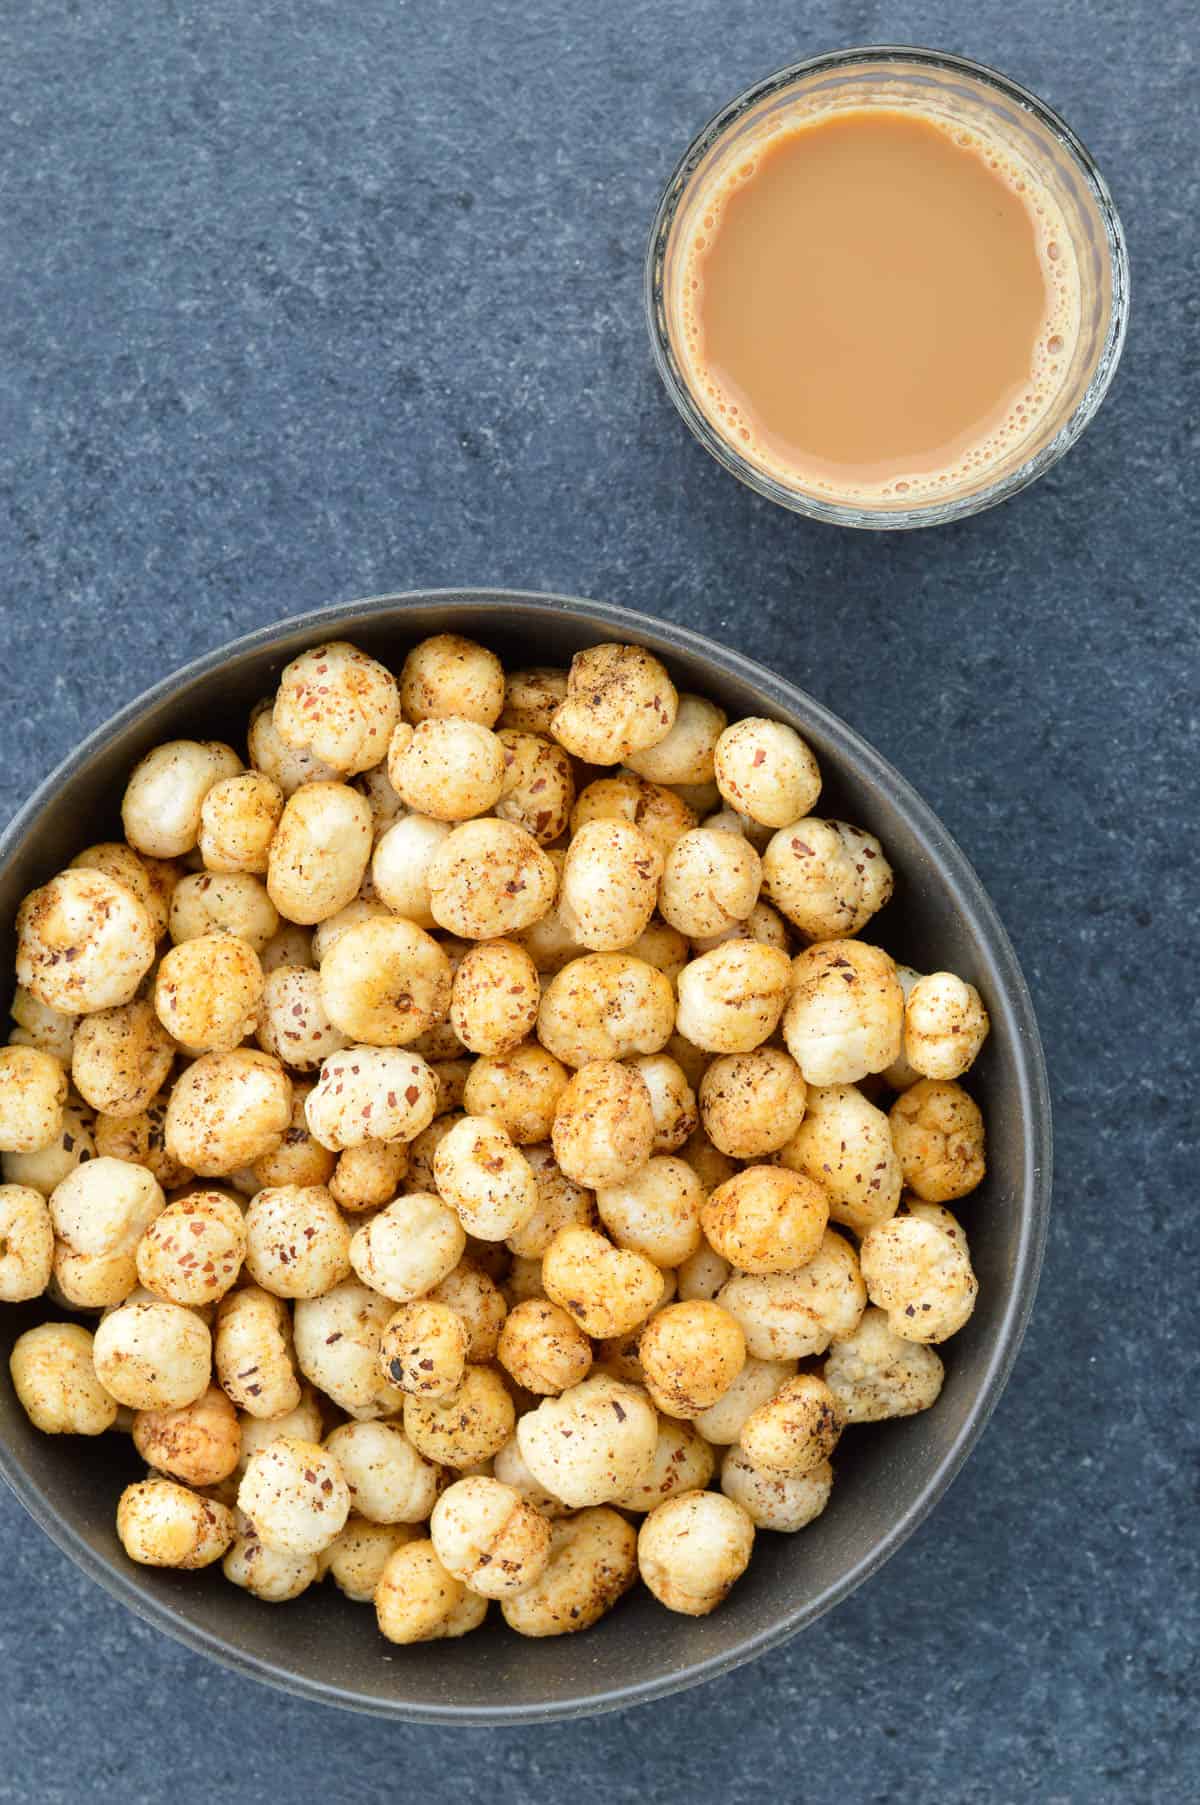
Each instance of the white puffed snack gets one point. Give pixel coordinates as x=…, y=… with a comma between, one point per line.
x=207, y=992
x=693, y=1549
x=485, y=1179
x=163, y=1524
x=297, y=1241
x=945, y=1025
x=531, y=697
x=161, y=807
x=663, y=947
x=752, y=1103
x=604, y=1125
x=367, y=1176
x=227, y=1110
x=827, y=877
x=293, y=1025
x=199, y=1443
x=846, y=1012
x=764, y=769
x=238, y=819
x=84, y=942
x=154, y=1356
x=731, y=999
x=560, y=1202
x=686, y=754
x=295, y=1495
x=33, y=1093
x=917, y=1267
x=355, y=1559
x=270, y=1575
x=619, y=700
x=776, y=1500
x=937, y=1132
x=384, y=982
x=408, y=1247
x=607, y=1289
x=233, y=902
x=26, y=1243
x=121, y=1058
x=287, y=766
x=709, y=880
x=152, y=881
x=55, y=1381
x=609, y=884
x=423, y=1348
x=371, y=1094
x=449, y=768
x=339, y=705
x=489, y=1537
x=605, y=1006
x=790, y=1315
x=509, y=1468
x=766, y=1219
x=104, y=1206
x=37, y=1025
x=495, y=999
x=400, y=866
x=320, y=852
x=756, y=1384
x=450, y=675
x=471, y=1425
x=657, y=812
x=519, y=1089
x=389, y=1481
x=479, y=1303
x=192, y=1252
x=702, y=1275
x=672, y=1100
x=683, y=1462
x=690, y=1354
x=656, y=1212
x=416, y=1600
x=337, y=1349
x=543, y=1347
x=795, y=1430
x=845, y=1145
x=592, y=1564
x=875, y=1374
x=490, y=878
x=539, y=785
x=252, y=1353
x=591, y=1444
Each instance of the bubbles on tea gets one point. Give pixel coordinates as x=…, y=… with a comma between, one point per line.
x=734, y=415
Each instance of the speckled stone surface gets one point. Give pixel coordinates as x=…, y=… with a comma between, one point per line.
x=308, y=302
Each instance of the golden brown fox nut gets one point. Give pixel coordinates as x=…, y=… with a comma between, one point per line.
x=619, y=701
x=937, y=1131
x=339, y=705
x=692, y=1550
x=450, y=675
x=84, y=942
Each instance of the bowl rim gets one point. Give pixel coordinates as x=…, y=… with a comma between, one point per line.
x=1013, y=1002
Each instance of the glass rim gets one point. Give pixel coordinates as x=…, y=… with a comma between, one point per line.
x=931, y=513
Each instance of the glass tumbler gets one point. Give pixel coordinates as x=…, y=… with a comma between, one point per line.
x=966, y=94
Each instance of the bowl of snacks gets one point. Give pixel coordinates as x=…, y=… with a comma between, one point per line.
x=515, y=1122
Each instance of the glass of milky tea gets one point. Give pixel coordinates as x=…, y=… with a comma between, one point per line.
x=887, y=287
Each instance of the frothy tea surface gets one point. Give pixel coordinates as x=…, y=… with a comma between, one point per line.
x=876, y=305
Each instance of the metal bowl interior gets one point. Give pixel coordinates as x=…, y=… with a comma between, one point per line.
x=888, y=1477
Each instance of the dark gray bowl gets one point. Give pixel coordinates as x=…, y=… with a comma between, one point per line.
x=889, y=1477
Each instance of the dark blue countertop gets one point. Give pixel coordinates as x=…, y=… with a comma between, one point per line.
x=305, y=303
